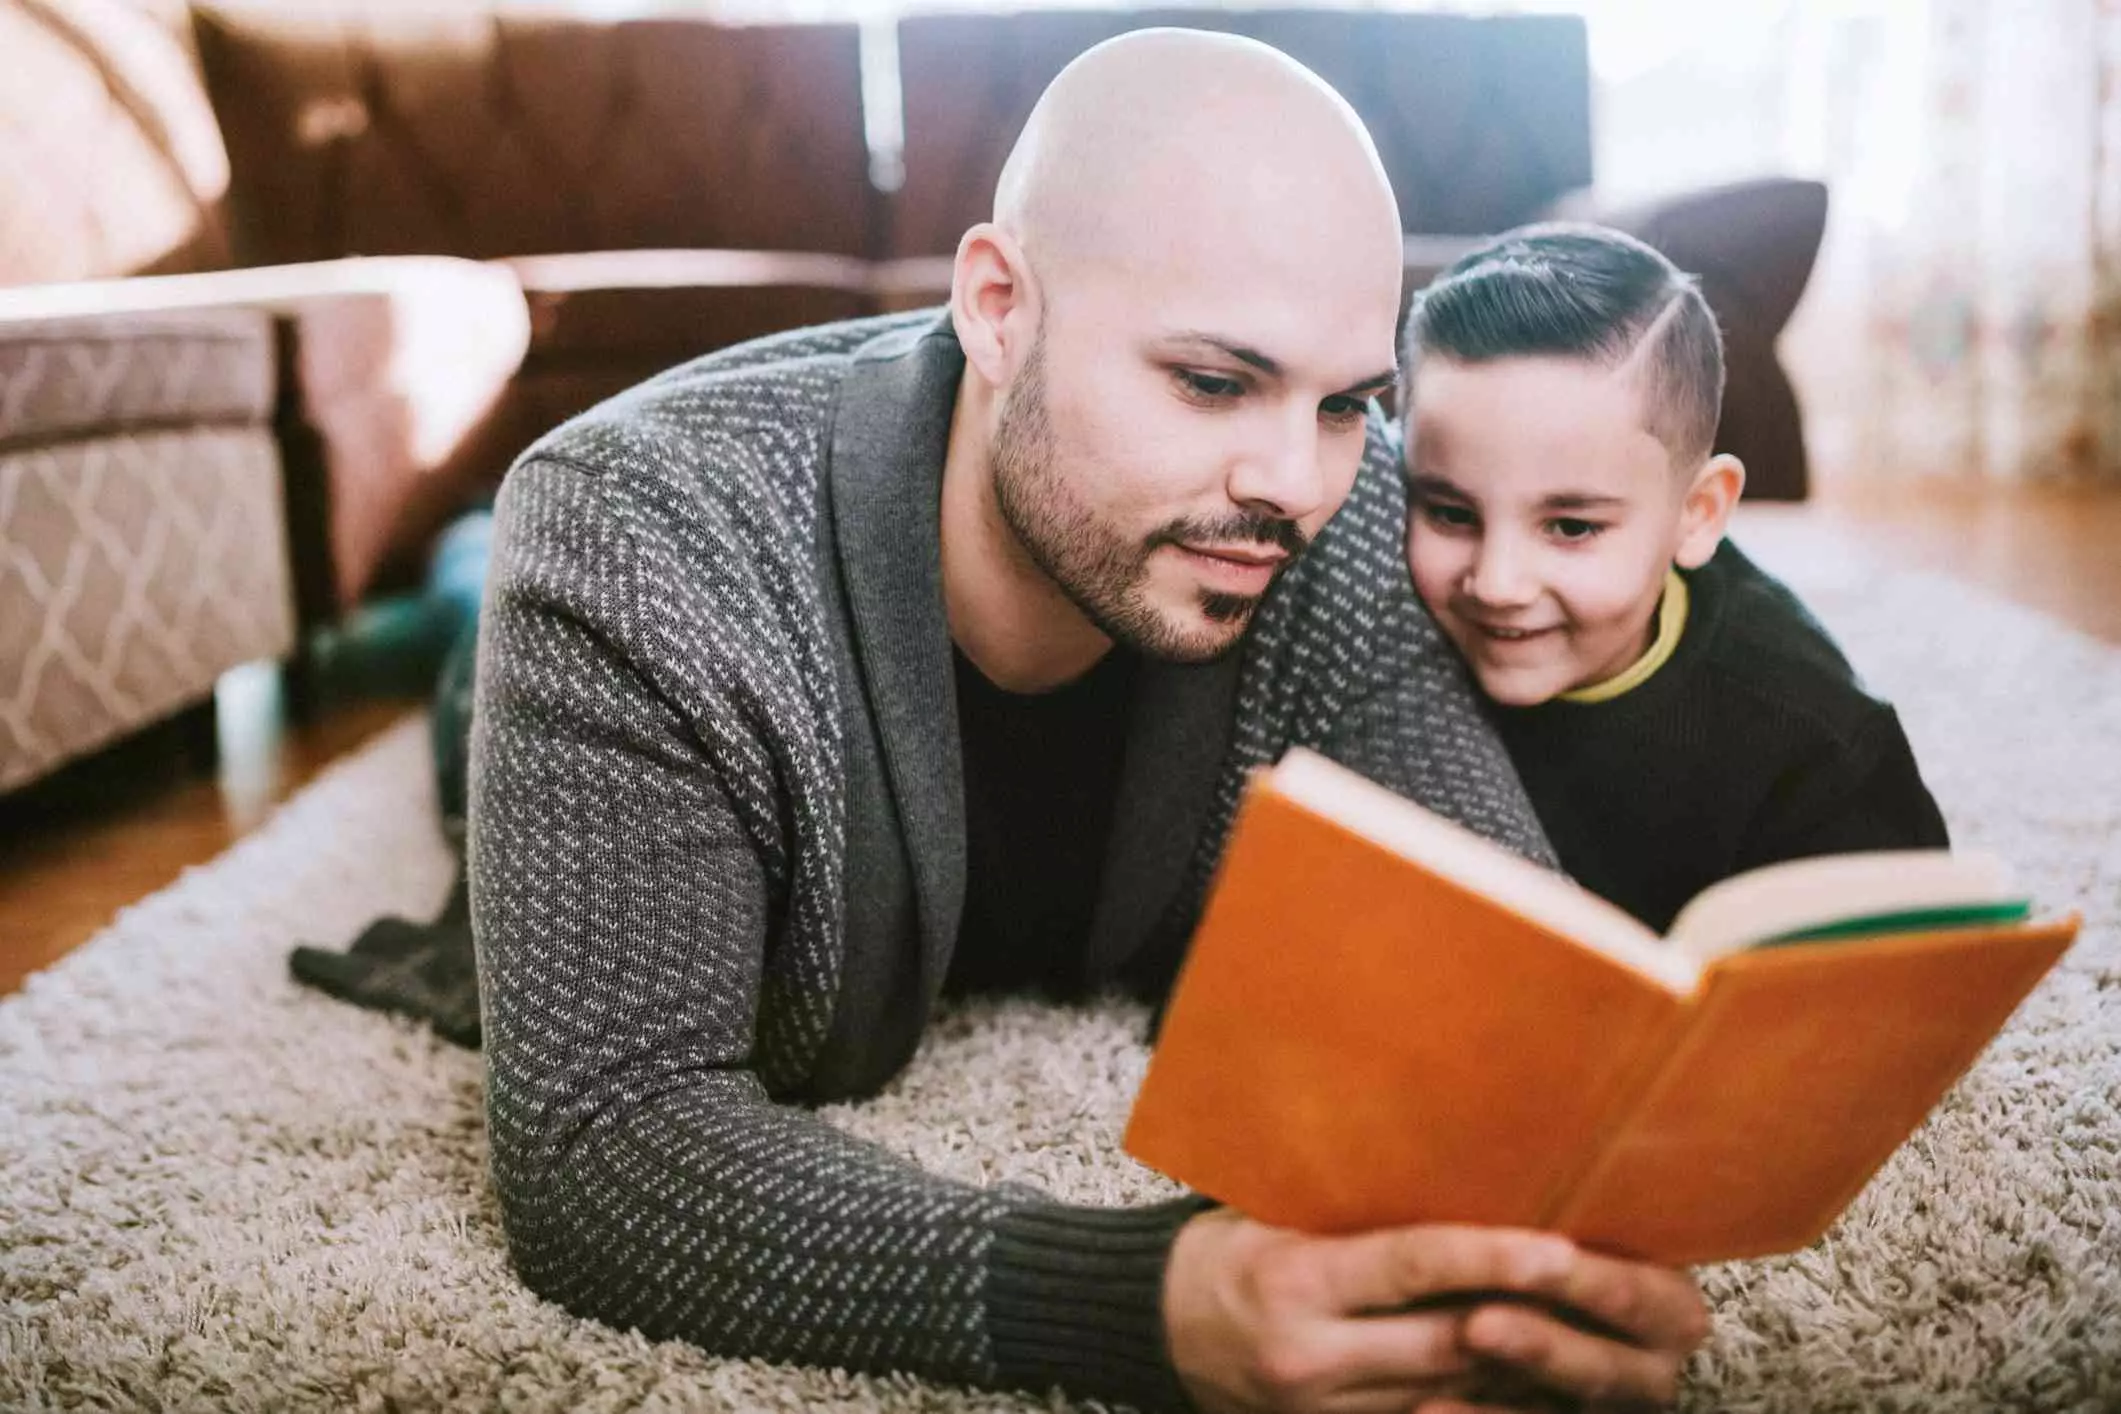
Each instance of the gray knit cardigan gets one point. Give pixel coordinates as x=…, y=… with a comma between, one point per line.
x=716, y=857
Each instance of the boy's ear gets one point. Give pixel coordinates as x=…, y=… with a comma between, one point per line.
x=1707, y=509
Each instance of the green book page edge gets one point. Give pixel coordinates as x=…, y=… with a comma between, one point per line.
x=1913, y=920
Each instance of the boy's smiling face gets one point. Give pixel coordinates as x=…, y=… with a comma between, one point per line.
x=1544, y=517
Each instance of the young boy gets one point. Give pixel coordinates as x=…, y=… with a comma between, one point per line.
x=1676, y=714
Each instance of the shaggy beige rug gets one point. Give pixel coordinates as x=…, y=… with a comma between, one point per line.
x=219, y=1190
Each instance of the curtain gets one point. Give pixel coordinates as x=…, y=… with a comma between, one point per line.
x=1964, y=319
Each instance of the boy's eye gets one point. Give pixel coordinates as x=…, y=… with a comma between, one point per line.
x=1207, y=387
x=1570, y=528
x=1447, y=516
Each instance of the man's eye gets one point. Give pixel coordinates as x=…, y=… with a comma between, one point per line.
x=1569, y=528
x=1343, y=410
x=1207, y=387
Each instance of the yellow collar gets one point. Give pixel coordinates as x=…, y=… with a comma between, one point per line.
x=1671, y=622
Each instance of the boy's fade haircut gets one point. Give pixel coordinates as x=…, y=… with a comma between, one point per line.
x=1573, y=290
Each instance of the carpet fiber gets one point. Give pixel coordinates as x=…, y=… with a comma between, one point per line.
x=220, y=1190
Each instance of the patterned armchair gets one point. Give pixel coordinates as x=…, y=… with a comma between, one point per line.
x=142, y=542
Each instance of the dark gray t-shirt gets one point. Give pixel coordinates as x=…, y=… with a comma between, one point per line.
x=1041, y=771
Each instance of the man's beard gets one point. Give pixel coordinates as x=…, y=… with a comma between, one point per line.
x=1103, y=574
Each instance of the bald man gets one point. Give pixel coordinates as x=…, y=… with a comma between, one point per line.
x=842, y=673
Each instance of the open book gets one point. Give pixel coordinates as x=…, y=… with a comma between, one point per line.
x=1385, y=1018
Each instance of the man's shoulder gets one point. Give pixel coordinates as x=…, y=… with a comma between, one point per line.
x=1346, y=610
x=764, y=405
x=1353, y=580
x=795, y=352
x=1361, y=552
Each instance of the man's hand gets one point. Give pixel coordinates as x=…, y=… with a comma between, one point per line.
x=1259, y=1318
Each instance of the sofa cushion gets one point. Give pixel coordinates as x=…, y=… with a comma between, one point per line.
x=110, y=158
x=370, y=129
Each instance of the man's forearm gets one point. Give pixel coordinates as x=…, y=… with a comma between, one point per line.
x=713, y=1215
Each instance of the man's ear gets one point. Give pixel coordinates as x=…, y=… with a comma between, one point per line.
x=1707, y=509
x=993, y=303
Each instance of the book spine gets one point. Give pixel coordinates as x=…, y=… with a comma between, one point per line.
x=1564, y=1199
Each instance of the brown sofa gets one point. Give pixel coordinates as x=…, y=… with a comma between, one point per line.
x=464, y=224
x=249, y=152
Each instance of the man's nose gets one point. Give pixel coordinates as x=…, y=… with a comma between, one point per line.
x=1286, y=477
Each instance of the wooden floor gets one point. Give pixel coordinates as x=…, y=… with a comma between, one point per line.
x=82, y=847
x=132, y=826
x=2054, y=549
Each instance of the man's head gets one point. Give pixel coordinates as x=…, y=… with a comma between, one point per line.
x=1562, y=388
x=1172, y=328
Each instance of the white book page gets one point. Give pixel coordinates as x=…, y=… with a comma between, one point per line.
x=1804, y=893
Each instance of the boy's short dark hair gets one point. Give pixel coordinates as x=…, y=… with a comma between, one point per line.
x=1581, y=291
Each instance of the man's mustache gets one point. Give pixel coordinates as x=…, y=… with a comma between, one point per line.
x=1237, y=529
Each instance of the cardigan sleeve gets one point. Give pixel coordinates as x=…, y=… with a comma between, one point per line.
x=626, y=891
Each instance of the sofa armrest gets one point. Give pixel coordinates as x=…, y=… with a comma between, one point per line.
x=277, y=289
x=436, y=335
x=1752, y=242
x=391, y=371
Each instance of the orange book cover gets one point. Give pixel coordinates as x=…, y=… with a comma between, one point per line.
x=1358, y=1040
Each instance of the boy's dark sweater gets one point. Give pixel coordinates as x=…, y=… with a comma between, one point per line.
x=1753, y=743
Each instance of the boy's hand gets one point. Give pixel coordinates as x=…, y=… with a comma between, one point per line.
x=1259, y=1318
